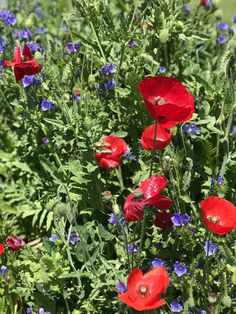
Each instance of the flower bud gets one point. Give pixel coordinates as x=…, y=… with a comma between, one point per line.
x=8, y=278
x=116, y=209
x=179, y=24
x=87, y=123
x=226, y=301
x=219, y=13
x=39, y=57
x=212, y=297
x=191, y=302
x=30, y=21
x=164, y=36
x=107, y=195
x=216, y=3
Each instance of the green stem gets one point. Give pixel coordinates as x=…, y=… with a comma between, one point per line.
x=150, y=174
x=206, y=269
x=98, y=42
x=120, y=177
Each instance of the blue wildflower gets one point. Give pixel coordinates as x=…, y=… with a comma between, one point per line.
x=180, y=269
x=3, y=270
x=65, y=27
x=112, y=219
x=121, y=287
x=28, y=80
x=111, y=84
x=158, y=262
x=187, y=8
x=74, y=238
x=201, y=311
x=180, y=220
x=210, y=248
x=108, y=69
x=29, y=310
x=35, y=47
x=222, y=39
x=47, y=105
x=7, y=17
x=41, y=311
x=162, y=69
x=234, y=19
x=220, y=180
x=45, y=141
x=128, y=155
x=191, y=128
x=70, y=47
x=222, y=26
x=40, y=30
x=208, y=4
x=132, y=44
x=38, y=11
x=53, y=238
x=176, y=306
x=234, y=130
x=132, y=249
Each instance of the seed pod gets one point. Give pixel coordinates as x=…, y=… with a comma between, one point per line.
x=116, y=209
x=30, y=21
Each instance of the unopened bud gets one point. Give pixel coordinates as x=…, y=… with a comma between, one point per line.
x=226, y=301
x=219, y=13
x=116, y=209
x=87, y=123
x=164, y=36
x=107, y=195
x=191, y=302
x=39, y=57
x=212, y=297
x=30, y=21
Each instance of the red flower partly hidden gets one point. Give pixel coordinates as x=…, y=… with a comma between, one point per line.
x=162, y=137
x=167, y=100
x=1, y=248
x=148, y=193
x=163, y=220
x=218, y=215
x=144, y=291
x=114, y=147
x=14, y=243
x=23, y=64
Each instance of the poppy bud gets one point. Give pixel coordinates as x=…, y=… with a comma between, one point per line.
x=14, y=243
x=226, y=301
x=164, y=36
x=212, y=298
x=116, y=209
x=191, y=302
x=216, y=3
x=179, y=24
x=219, y=13
x=30, y=21
x=107, y=195
x=39, y=57
x=87, y=123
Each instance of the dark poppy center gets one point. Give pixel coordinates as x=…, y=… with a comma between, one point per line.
x=143, y=290
x=214, y=219
x=159, y=101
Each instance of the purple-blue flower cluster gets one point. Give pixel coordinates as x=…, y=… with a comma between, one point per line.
x=114, y=221
x=180, y=269
x=210, y=248
x=7, y=18
x=191, y=128
x=22, y=34
x=180, y=220
x=30, y=80
x=157, y=262
x=128, y=155
x=47, y=105
x=71, y=48
x=132, y=248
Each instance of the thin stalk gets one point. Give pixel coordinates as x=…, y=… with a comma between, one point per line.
x=98, y=42
x=206, y=269
x=120, y=177
x=150, y=174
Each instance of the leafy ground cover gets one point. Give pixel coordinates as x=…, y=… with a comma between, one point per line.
x=117, y=157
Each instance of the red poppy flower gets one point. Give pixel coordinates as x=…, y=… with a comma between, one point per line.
x=167, y=100
x=163, y=220
x=114, y=147
x=144, y=291
x=14, y=243
x=133, y=208
x=148, y=193
x=1, y=248
x=76, y=92
x=162, y=137
x=25, y=66
x=218, y=215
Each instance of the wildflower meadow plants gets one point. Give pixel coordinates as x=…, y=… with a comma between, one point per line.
x=117, y=157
